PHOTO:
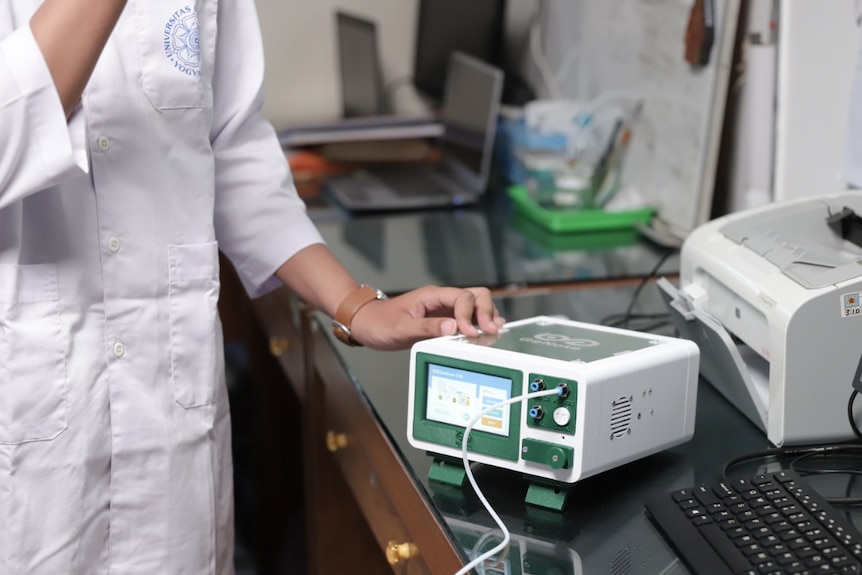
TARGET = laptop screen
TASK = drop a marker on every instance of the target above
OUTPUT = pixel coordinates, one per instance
(469, 116)
(359, 66)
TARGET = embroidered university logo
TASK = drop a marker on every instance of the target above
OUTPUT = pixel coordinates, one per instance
(182, 41)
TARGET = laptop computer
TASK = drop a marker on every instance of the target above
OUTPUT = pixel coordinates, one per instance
(471, 103)
(362, 90)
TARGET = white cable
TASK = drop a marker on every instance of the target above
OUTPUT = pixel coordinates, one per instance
(464, 456)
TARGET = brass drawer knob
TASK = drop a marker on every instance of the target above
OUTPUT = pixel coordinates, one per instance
(397, 552)
(278, 345)
(336, 441)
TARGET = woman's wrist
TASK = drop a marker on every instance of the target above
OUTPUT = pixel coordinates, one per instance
(348, 308)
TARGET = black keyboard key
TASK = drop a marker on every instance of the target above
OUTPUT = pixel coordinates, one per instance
(768, 568)
(705, 496)
(767, 509)
(723, 491)
(682, 495)
(743, 540)
(797, 543)
(753, 549)
(791, 534)
(733, 558)
(723, 515)
(687, 504)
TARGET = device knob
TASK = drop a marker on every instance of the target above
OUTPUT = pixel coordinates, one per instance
(336, 441)
(562, 416)
(397, 552)
(556, 458)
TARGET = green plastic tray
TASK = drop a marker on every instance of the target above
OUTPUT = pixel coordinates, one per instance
(576, 220)
(591, 240)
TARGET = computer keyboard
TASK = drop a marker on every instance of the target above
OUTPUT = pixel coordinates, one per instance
(770, 523)
(417, 182)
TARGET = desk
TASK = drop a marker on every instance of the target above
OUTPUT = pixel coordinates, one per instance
(603, 529)
(487, 245)
(491, 245)
(364, 485)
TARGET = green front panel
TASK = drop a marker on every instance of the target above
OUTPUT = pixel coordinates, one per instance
(452, 435)
(549, 403)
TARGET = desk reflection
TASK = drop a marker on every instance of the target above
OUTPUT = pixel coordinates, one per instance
(491, 246)
(603, 530)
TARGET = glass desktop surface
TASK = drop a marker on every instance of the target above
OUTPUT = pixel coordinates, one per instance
(490, 245)
(603, 528)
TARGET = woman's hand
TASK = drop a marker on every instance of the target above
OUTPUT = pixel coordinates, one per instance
(423, 313)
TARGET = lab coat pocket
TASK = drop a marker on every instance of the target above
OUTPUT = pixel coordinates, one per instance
(193, 293)
(177, 48)
(32, 355)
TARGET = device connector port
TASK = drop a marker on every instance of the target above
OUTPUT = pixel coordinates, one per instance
(537, 384)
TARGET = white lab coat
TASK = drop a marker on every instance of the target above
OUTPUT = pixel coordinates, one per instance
(114, 425)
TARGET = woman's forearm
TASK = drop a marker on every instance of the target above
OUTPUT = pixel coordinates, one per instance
(318, 277)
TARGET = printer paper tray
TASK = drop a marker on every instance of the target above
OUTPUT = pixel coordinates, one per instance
(721, 363)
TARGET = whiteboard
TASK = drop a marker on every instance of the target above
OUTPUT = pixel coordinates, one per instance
(638, 46)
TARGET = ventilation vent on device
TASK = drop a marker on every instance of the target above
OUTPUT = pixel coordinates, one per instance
(621, 563)
(621, 417)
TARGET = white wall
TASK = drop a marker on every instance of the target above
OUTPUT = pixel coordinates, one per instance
(817, 58)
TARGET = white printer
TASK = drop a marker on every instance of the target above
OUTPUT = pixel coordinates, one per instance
(771, 297)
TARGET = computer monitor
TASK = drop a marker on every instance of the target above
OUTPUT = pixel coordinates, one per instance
(474, 27)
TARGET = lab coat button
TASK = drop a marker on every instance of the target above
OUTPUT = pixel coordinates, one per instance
(104, 143)
(114, 245)
(119, 349)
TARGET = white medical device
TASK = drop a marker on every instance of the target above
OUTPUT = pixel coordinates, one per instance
(625, 395)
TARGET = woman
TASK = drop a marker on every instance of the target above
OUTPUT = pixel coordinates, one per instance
(131, 150)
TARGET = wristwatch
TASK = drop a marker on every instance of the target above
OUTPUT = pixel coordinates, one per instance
(348, 308)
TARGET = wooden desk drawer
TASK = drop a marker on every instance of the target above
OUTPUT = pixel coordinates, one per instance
(280, 315)
(391, 501)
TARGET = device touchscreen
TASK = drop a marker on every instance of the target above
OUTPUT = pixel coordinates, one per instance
(456, 395)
